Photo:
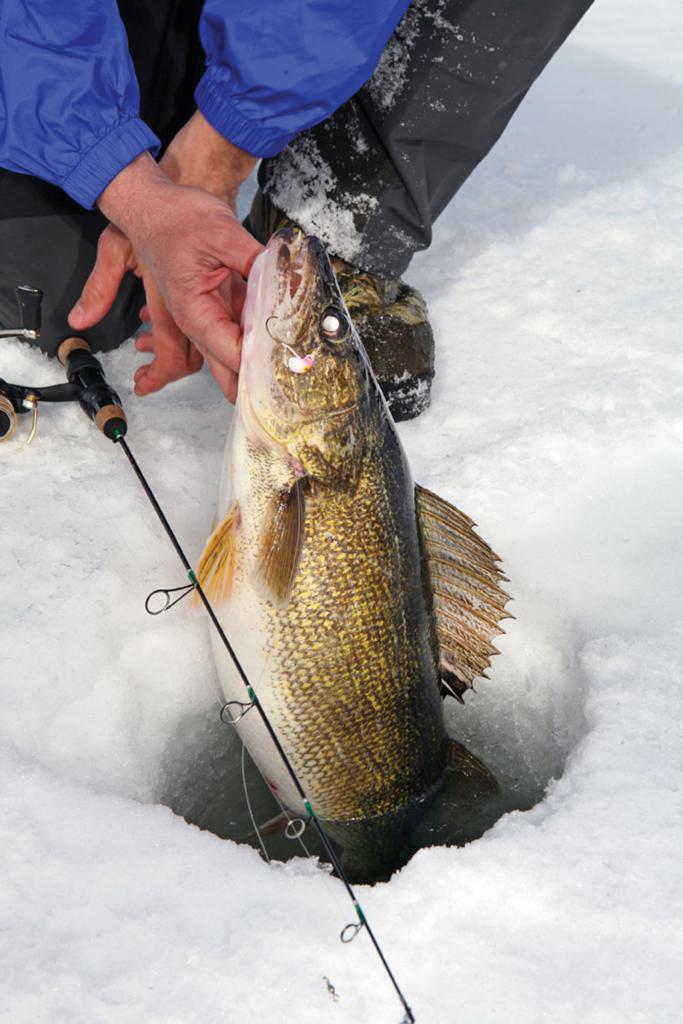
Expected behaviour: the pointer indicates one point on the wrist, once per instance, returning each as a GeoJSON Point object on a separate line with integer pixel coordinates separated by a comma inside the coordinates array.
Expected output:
{"type": "Point", "coordinates": [200, 156]}
{"type": "Point", "coordinates": [124, 199]}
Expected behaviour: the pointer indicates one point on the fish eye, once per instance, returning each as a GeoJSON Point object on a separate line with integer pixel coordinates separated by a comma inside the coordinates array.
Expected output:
{"type": "Point", "coordinates": [333, 324]}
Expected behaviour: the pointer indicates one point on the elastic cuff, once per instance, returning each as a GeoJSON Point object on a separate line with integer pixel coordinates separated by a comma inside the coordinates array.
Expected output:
{"type": "Point", "coordinates": [252, 137]}
{"type": "Point", "coordinates": [106, 158]}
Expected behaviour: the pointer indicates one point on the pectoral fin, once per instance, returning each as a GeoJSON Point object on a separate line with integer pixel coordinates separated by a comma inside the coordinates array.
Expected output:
{"type": "Point", "coordinates": [469, 602]}
{"type": "Point", "coordinates": [217, 564]}
{"type": "Point", "coordinates": [282, 543]}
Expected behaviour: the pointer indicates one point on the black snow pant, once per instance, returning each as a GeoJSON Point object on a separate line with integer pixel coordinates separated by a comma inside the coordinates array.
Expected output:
{"type": "Point", "coordinates": [370, 181]}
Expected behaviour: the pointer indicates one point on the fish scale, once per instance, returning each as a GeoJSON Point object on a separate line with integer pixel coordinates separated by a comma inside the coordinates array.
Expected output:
{"type": "Point", "coordinates": [357, 685]}
{"type": "Point", "coordinates": [353, 599]}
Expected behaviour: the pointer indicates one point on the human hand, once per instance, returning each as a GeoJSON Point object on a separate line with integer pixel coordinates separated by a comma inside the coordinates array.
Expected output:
{"type": "Point", "coordinates": [201, 157]}
{"type": "Point", "coordinates": [188, 246]}
{"type": "Point", "coordinates": [175, 356]}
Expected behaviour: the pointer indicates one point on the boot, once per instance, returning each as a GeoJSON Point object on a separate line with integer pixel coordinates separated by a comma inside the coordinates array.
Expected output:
{"type": "Point", "coordinates": [389, 315]}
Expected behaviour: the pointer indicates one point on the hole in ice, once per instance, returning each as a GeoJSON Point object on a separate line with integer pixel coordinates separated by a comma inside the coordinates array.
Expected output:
{"type": "Point", "coordinates": [523, 723]}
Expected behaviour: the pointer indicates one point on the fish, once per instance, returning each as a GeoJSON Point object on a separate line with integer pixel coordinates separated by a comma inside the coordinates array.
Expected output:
{"type": "Point", "coordinates": [354, 599]}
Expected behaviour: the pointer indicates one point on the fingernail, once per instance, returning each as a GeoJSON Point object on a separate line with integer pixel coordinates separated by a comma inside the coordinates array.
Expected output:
{"type": "Point", "coordinates": [77, 310]}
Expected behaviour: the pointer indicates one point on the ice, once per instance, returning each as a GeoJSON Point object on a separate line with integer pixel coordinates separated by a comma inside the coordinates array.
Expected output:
{"type": "Point", "coordinates": [554, 283]}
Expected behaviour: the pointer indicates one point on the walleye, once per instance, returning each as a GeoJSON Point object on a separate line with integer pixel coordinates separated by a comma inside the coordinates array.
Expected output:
{"type": "Point", "coordinates": [353, 599]}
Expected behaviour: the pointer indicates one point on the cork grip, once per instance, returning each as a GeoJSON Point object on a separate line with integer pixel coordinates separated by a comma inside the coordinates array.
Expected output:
{"type": "Point", "coordinates": [70, 345]}
{"type": "Point", "coordinates": [106, 415]}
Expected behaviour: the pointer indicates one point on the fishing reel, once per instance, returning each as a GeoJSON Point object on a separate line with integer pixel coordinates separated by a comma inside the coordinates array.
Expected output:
{"type": "Point", "coordinates": [85, 377]}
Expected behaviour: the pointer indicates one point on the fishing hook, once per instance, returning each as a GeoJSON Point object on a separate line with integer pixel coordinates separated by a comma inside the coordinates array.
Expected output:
{"type": "Point", "coordinates": [331, 989]}
{"type": "Point", "coordinates": [296, 363]}
{"type": "Point", "coordinates": [268, 330]}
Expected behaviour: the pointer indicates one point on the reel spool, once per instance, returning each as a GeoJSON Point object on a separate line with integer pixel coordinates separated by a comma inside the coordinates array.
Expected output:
{"type": "Point", "coordinates": [86, 381]}
{"type": "Point", "coordinates": [8, 419]}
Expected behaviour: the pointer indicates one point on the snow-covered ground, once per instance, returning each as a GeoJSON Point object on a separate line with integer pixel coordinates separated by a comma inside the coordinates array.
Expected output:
{"type": "Point", "coordinates": [554, 284]}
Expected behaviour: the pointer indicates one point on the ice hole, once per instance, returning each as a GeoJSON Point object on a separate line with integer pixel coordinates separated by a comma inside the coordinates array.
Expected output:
{"type": "Point", "coordinates": [523, 723]}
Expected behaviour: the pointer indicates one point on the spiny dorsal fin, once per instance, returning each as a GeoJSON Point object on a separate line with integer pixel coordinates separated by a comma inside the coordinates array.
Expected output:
{"type": "Point", "coordinates": [217, 564]}
{"type": "Point", "coordinates": [282, 542]}
{"type": "Point", "coordinates": [469, 602]}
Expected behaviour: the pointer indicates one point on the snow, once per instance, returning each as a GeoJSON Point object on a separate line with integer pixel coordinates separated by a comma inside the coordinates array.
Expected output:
{"type": "Point", "coordinates": [307, 187]}
{"type": "Point", "coordinates": [390, 75]}
{"type": "Point", "coordinates": [554, 287]}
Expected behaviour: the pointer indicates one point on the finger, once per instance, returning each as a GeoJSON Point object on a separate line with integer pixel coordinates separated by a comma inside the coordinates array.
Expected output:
{"type": "Point", "coordinates": [144, 313]}
{"type": "Point", "coordinates": [238, 249]}
{"type": "Point", "coordinates": [145, 343]}
{"type": "Point", "coordinates": [232, 291]}
{"type": "Point", "coordinates": [156, 375]}
{"type": "Point", "coordinates": [195, 360]}
{"type": "Point", "coordinates": [174, 356]}
{"type": "Point", "coordinates": [225, 378]}
{"type": "Point", "coordinates": [114, 255]}
{"type": "Point", "coordinates": [167, 343]}
{"type": "Point", "coordinates": [165, 369]}
{"type": "Point", "coordinates": [238, 293]}
{"type": "Point", "coordinates": [208, 322]}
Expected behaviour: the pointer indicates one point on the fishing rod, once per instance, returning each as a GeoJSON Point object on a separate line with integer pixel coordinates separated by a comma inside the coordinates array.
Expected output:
{"type": "Point", "coordinates": [87, 385]}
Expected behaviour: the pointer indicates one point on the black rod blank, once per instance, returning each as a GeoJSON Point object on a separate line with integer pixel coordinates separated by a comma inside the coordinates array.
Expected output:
{"type": "Point", "coordinates": [118, 438]}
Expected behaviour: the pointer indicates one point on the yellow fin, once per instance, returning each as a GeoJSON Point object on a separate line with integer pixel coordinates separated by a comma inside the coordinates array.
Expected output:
{"type": "Point", "coordinates": [216, 567]}
{"type": "Point", "coordinates": [282, 542]}
{"type": "Point", "coordinates": [469, 602]}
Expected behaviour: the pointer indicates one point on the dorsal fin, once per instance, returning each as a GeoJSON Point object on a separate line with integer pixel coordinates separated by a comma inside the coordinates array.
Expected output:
{"type": "Point", "coordinates": [282, 542]}
{"type": "Point", "coordinates": [217, 563]}
{"type": "Point", "coordinates": [469, 602]}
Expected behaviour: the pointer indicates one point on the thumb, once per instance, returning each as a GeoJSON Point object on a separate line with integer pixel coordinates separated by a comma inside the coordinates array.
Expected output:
{"type": "Point", "coordinates": [237, 249]}
{"type": "Point", "coordinates": [114, 257]}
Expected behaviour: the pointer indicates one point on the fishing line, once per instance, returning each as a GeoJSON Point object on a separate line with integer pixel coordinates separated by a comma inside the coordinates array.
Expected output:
{"type": "Point", "coordinates": [248, 802]}
{"type": "Point", "coordinates": [87, 385]}
{"type": "Point", "coordinates": [351, 930]}
{"type": "Point", "coordinates": [296, 835]}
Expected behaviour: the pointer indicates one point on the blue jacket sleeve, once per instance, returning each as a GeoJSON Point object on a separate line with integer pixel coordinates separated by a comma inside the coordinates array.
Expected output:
{"type": "Point", "coordinates": [275, 67]}
{"type": "Point", "coordinates": [69, 99]}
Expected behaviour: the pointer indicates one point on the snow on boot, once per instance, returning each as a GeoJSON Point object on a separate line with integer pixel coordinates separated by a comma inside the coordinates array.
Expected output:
{"type": "Point", "coordinates": [389, 315]}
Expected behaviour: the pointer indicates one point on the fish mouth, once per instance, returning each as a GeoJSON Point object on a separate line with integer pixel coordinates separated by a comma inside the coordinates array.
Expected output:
{"type": "Point", "coordinates": [288, 276]}
{"type": "Point", "coordinates": [304, 278]}
{"type": "Point", "coordinates": [301, 258]}
{"type": "Point", "coordinates": [290, 371]}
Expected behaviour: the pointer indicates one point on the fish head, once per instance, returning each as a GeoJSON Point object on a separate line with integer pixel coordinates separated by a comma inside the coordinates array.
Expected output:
{"type": "Point", "coordinates": [305, 384]}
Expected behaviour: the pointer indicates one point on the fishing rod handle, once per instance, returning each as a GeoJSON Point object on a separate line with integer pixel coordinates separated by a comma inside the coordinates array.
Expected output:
{"type": "Point", "coordinates": [98, 400]}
